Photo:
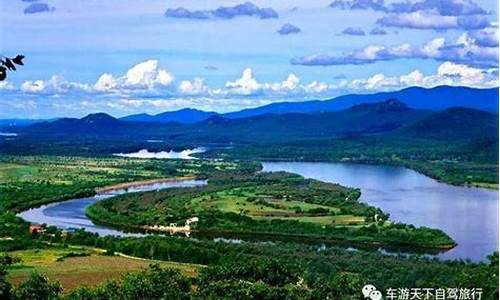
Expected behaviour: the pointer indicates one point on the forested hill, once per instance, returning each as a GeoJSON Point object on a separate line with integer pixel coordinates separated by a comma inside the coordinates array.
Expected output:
{"type": "Point", "coordinates": [454, 123]}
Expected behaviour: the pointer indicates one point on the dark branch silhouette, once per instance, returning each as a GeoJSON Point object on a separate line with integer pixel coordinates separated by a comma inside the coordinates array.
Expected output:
{"type": "Point", "coordinates": [9, 64]}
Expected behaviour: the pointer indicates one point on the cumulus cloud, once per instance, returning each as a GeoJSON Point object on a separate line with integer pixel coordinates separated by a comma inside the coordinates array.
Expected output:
{"type": "Point", "coordinates": [143, 76]}
{"type": "Point", "coordinates": [447, 73]}
{"type": "Point", "coordinates": [248, 86]}
{"type": "Point", "coordinates": [353, 31]}
{"type": "Point", "coordinates": [465, 49]}
{"type": "Point", "coordinates": [288, 29]}
{"type": "Point", "coordinates": [245, 85]}
{"type": "Point", "coordinates": [195, 87]}
{"type": "Point", "coordinates": [223, 12]}
{"type": "Point", "coordinates": [35, 8]}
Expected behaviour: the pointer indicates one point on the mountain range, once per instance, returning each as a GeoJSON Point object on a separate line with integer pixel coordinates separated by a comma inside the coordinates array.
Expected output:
{"type": "Point", "coordinates": [437, 98]}
{"type": "Point", "coordinates": [391, 117]}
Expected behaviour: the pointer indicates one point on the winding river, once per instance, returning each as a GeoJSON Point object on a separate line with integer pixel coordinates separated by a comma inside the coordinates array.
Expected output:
{"type": "Point", "coordinates": [469, 215]}
{"type": "Point", "coordinates": [70, 214]}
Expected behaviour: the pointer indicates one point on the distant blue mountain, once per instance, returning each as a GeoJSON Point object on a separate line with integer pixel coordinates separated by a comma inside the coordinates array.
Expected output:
{"type": "Point", "coordinates": [184, 116]}
{"type": "Point", "coordinates": [437, 98]}
{"type": "Point", "coordinates": [7, 123]}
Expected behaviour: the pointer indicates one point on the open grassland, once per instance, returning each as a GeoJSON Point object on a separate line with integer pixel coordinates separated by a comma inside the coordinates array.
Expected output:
{"type": "Point", "coordinates": [254, 204]}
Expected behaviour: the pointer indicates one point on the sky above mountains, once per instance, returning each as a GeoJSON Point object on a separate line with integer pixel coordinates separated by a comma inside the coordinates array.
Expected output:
{"type": "Point", "coordinates": [127, 56]}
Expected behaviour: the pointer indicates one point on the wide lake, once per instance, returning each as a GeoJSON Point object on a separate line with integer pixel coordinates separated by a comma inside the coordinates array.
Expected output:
{"type": "Point", "coordinates": [468, 215]}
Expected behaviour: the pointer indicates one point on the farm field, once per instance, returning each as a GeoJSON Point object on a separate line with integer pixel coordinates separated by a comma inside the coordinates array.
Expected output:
{"type": "Point", "coordinates": [93, 269]}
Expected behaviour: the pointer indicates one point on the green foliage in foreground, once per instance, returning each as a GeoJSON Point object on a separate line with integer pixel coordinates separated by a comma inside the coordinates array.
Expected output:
{"type": "Point", "coordinates": [240, 277]}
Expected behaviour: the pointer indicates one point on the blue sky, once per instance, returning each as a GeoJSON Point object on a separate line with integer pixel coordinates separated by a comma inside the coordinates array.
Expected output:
{"type": "Point", "coordinates": [129, 56]}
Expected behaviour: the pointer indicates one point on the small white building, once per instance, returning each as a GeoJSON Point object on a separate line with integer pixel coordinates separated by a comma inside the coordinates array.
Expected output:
{"type": "Point", "coordinates": [192, 220]}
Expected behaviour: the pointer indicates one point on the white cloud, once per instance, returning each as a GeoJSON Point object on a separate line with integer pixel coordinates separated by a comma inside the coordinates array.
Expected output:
{"type": "Point", "coordinates": [55, 85]}
{"type": "Point", "coordinates": [245, 85]}
{"type": "Point", "coordinates": [469, 48]}
{"type": "Point", "coordinates": [195, 87]}
{"type": "Point", "coordinates": [106, 82]}
{"type": "Point", "coordinates": [147, 75]}
{"type": "Point", "coordinates": [33, 86]}
{"type": "Point", "coordinates": [144, 77]}
{"type": "Point", "coordinates": [447, 73]}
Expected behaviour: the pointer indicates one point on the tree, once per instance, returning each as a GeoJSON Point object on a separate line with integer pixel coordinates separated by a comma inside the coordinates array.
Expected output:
{"type": "Point", "coordinates": [38, 287]}
{"type": "Point", "coordinates": [5, 287]}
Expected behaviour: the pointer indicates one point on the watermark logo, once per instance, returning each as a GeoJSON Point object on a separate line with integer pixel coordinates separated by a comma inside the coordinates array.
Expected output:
{"type": "Point", "coordinates": [371, 292]}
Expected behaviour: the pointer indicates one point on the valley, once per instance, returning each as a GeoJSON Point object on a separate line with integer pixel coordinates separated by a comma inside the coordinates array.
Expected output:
{"type": "Point", "coordinates": [263, 198]}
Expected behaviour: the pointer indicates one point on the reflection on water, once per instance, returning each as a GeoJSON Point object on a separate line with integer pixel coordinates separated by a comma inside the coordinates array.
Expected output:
{"type": "Point", "coordinates": [468, 215]}
{"type": "Point", "coordinates": [71, 214]}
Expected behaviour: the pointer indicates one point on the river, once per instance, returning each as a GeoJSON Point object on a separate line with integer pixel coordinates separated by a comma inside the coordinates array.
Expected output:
{"type": "Point", "coordinates": [70, 214]}
{"type": "Point", "coordinates": [468, 215]}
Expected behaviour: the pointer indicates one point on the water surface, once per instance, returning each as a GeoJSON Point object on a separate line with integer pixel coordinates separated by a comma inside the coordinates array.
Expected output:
{"type": "Point", "coordinates": [70, 214]}
{"type": "Point", "coordinates": [468, 215]}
